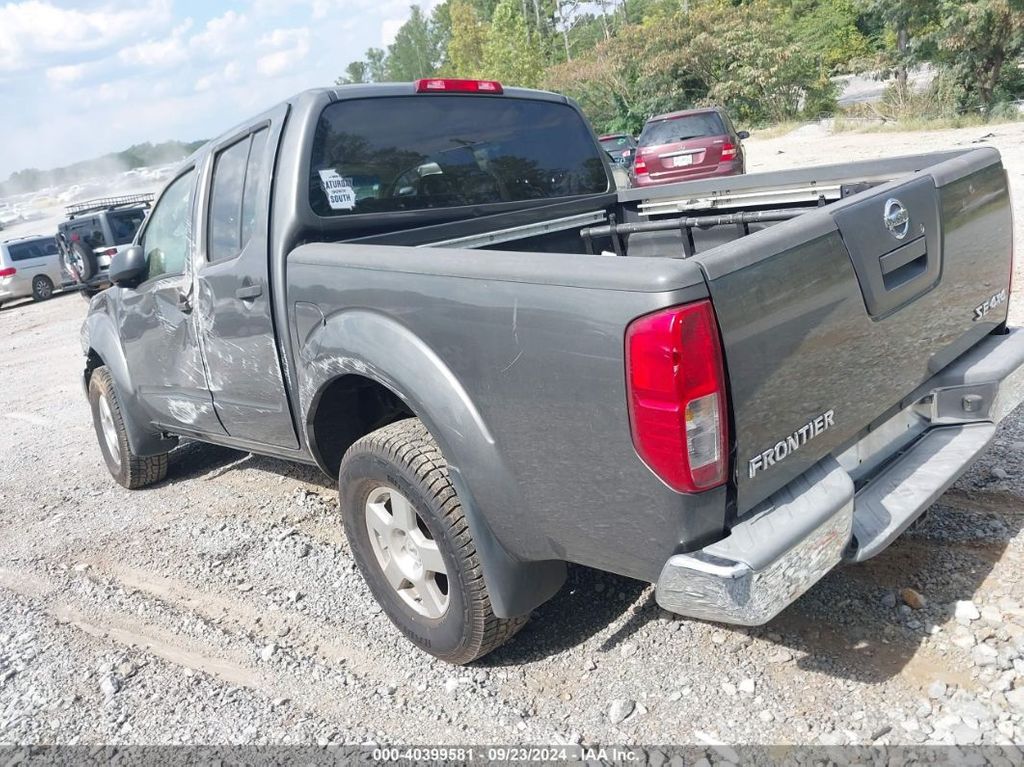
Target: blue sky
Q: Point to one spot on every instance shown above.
(82, 79)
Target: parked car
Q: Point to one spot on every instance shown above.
(688, 145)
(94, 232)
(10, 214)
(29, 266)
(726, 416)
(621, 147)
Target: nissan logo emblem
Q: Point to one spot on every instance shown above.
(897, 219)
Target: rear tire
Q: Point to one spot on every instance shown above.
(398, 473)
(130, 470)
(42, 288)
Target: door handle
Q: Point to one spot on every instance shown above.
(249, 292)
(184, 303)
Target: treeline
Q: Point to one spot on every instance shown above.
(766, 60)
(137, 156)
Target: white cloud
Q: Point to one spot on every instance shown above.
(160, 52)
(389, 29)
(33, 32)
(290, 47)
(147, 73)
(233, 72)
(222, 35)
(65, 75)
(229, 74)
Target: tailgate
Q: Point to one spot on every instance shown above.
(694, 155)
(829, 321)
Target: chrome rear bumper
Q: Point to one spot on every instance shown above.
(790, 541)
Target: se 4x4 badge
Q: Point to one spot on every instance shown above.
(981, 310)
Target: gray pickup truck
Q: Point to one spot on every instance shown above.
(434, 293)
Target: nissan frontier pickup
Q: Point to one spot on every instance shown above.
(434, 292)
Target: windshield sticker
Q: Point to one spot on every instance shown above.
(339, 191)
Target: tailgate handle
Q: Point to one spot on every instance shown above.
(904, 264)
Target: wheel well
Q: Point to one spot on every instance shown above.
(92, 361)
(349, 408)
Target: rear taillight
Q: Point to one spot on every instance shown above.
(109, 252)
(677, 397)
(640, 166)
(728, 151)
(450, 85)
(10, 271)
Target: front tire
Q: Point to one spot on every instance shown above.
(412, 543)
(42, 288)
(130, 470)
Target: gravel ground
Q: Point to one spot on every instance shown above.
(223, 605)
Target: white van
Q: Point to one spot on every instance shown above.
(29, 266)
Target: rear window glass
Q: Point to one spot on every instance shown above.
(124, 224)
(682, 129)
(89, 230)
(426, 151)
(23, 251)
(617, 142)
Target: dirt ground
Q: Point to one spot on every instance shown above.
(223, 606)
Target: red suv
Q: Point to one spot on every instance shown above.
(682, 146)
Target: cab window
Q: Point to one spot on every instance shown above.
(237, 172)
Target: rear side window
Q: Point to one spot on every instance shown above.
(23, 251)
(124, 224)
(237, 172)
(682, 129)
(429, 151)
(254, 176)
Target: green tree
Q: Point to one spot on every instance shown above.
(977, 41)
(376, 65)
(908, 23)
(744, 57)
(608, 81)
(468, 40)
(441, 35)
(828, 30)
(413, 54)
(355, 72)
(508, 54)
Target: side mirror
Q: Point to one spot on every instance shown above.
(743, 134)
(128, 267)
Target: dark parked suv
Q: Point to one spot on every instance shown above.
(620, 147)
(96, 231)
(682, 146)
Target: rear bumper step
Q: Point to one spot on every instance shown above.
(790, 541)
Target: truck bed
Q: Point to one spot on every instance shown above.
(698, 211)
(532, 328)
(821, 310)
